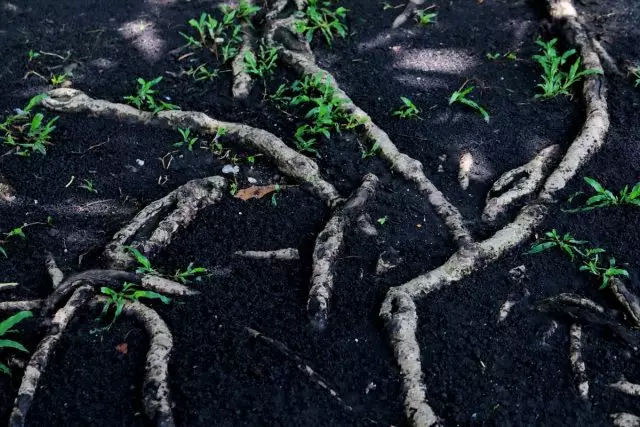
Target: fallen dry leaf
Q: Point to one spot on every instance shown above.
(256, 192)
(122, 348)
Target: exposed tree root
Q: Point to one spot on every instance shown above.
(40, 358)
(624, 419)
(288, 254)
(21, 305)
(561, 303)
(627, 300)
(287, 160)
(242, 80)
(154, 227)
(326, 252)
(166, 286)
(518, 183)
(577, 363)
(365, 226)
(549, 332)
(407, 13)
(464, 169)
(626, 387)
(55, 273)
(311, 374)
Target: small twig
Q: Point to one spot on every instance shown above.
(8, 285)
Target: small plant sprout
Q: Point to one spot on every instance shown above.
(144, 265)
(383, 220)
(26, 132)
(32, 54)
(201, 72)
(274, 200)
(368, 153)
(460, 97)
(604, 198)
(408, 110)
(494, 56)
(187, 139)
(128, 293)
(58, 79)
(144, 97)
(425, 18)
(88, 185)
(552, 239)
(636, 75)
(555, 81)
(6, 326)
(190, 274)
(264, 64)
(319, 17)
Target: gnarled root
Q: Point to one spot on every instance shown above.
(166, 286)
(626, 387)
(406, 14)
(242, 80)
(287, 254)
(21, 305)
(40, 358)
(627, 300)
(326, 252)
(518, 183)
(577, 363)
(287, 160)
(152, 233)
(624, 419)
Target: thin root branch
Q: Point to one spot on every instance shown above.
(288, 254)
(577, 362)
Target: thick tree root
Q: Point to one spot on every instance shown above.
(287, 160)
(326, 252)
(21, 305)
(40, 358)
(407, 13)
(55, 273)
(309, 372)
(242, 80)
(518, 183)
(154, 227)
(577, 362)
(627, 300)
(288, 254)
(626, 387)
(624, 419)
(166, 286)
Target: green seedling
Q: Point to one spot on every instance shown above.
(552, 239)
(144, 265)
(555, 81)
(494, 56)
(276, 191)
(6, 326)
(605, 198)
(216, 146)
(371, 151)
(425, 18)
(58, 79)
(201, 72)
(190, 274)
(233, 187)
(187, 139)
(407, 111)
(26, 132)
(460, 97)
(128, 293)
(383, 220)
(319, 17)
(145, 99)
(264, 64)
(636, 75)
(32, 54)
(89, 185)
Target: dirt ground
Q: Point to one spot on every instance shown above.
(477, 371)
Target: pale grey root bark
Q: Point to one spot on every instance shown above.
(288, 161)
(154, 227)
(626, 387)
(471, 258)
(166, 286)
(55, 273)
(407, 13)
(624, 419)
(7, 193)
(327, 249)
(21, 305)
(242, 80)
(577, 362)
(287, 254)
(464, 169)
(156, 396)
(365, 226)
(41, 356)
(8, 285)
(411, 169)
(518, 183)
(628, 300)
(567, 299)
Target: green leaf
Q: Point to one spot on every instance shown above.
(594, 184)
(5, 369)
(10, 322)
(13, 344)
(541, 247)
(141, 259)
(151, 295)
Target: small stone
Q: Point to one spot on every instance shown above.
(230, 169)
(140, 162)
(252, 180)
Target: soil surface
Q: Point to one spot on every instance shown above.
(477, 371)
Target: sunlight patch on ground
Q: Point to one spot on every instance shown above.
(420, 82)
(451, 61)
(144, 37)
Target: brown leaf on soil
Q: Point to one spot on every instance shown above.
(122, 348)
(255, 192)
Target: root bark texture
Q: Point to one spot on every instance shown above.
(624, 419)
(628, 300)
(166, 286)
(55, 273)
(242, 80)
(407, 13)
(154, 227)
(21, 305)
(327, 249)
(577, 362)
(287, 160)
(40, 358)
(626, 387)
(288, 254)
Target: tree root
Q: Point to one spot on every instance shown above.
(21, 305)
(326, 252)
(40, 358)
(624, 419)
(464, 170)
(287, 160)
(151, 233)
(8, 285)
(288, 254)
(55, 273)
(626, 387)
(406, 14)
(166, 286)
(627, 300)
(577, 363)
(242, 80)
(518, 183)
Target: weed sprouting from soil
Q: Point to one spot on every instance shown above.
(89, 185)
(263, 64)
(555, 80)
(145, 97)
(636, 75)
(460, 97)
(190, 274)
(144, 265)
(407, 110)
(318, 16)
(26, 132)
(425, 18)
(187, 139)
(6, 326)
(129, 292)
(605, 198)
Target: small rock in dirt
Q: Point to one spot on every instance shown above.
(370, 386)
(252, 180)
(230, 169)
(140, 162)
(7, 193)
(388, 260)
(518, 274)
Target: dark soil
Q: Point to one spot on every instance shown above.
(476, 372)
